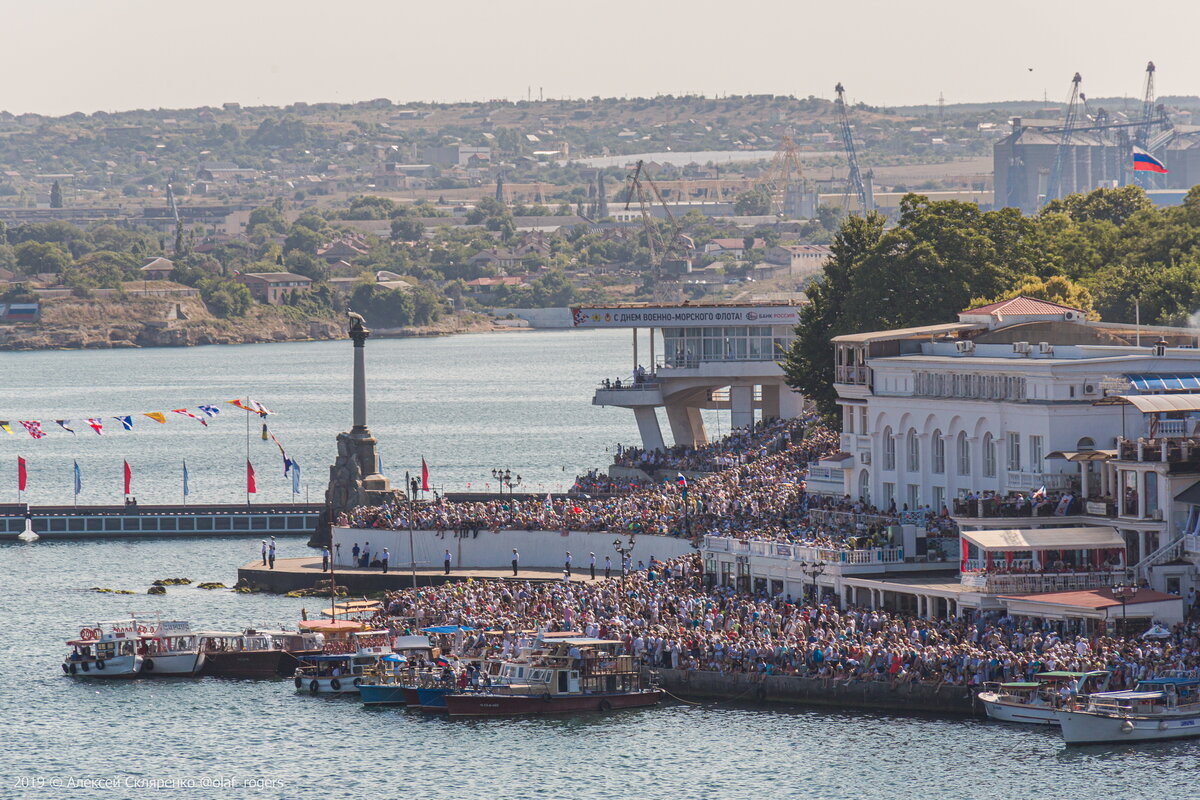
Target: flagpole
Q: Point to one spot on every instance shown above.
(247, 456)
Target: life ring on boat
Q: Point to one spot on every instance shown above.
(605, 705)
(1162, 725)
(336, 685)
(148, 665)
(84, 664)
(66, 669)
(100, 663)
(299, 683)
(1126, 727)
(546, 697)
(761, 693)
(313, 687)
(72, 669)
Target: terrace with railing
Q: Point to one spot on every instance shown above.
(1164, 448)
(1034, 583)
(807, 554)
(1010, 507)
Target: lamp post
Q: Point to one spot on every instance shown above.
(624, 551)
(814, 570)
(506, 478)
(1124, 592)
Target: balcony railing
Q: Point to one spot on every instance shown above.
(1042, 582)
(855, 375)
(1053, 481)
(1001, 507)
(1164, 448)
(804, 553)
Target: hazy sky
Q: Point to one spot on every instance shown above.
(60, 56)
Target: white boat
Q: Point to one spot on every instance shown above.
(108, 650)
(340, 668)
(1036, 702)
(1157, 709)
(169, 648)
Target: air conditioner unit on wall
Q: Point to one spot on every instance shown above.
(865, 457)
(1022, 348)
(965, 346)
(1090, 389)
(1045, 348)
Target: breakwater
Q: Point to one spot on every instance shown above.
(794, 690)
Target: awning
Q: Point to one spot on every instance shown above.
(1046, 539)
(1190, 495)
(1084, 455)
(1159, 403)
(1165, 382)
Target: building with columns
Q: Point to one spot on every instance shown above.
(698, 356)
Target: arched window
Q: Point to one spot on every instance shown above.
(964, 454)
(889, 449)
(989, 456)
(914, 451)
(939, 453)
(864, 486)
(1086, 444)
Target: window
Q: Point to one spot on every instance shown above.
(989, 456)
(862, 419)
(939, 498)
(864, 486)
(1014, 452)
(889, 449)
(964, 454)
(848, 416)
(1035, 454)
(889, 494)
(913, 448)
(939, 453)
(914, 496)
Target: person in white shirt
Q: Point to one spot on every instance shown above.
(516, 560)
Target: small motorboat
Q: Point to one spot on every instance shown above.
(384, 684)
(168, 648)
(249, 654)
(107, 650)
(340, 668)
(1156, 709)
(1037, 702)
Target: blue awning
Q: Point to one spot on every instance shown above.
(1165, 382)
(446, 629)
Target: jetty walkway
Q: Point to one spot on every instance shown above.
(291, 574)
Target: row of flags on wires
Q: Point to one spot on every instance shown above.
(38, 429)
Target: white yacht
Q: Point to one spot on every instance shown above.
(1156, 709)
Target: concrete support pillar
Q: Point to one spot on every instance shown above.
(1141, 493)
(741, 404)
(1142, 546)
(687, 426)
(653, 367)
(635, 361)
(770, 401)
(1083, 479)
(647, 422)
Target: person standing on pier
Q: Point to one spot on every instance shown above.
(592, 556)
(607, 567)
(383, 559)
(324, 559)
(264, 552)
(516, 561)
(446, 561)
(354, 551)
(567, 568)
(366, 556)
(271, 553)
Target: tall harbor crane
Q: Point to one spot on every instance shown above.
(1063, 153)
(854, 182)
(784, 181)
(669, 255)
(1143, 132)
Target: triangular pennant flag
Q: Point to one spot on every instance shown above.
(96, 425)
(210, 411)
(34, 428)
(251, 486)
(6, 426)
(239, 404)
(187, 413)
(126, 421)
(157, 416)
(65, 424)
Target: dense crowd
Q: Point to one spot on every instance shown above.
(741, 446)
(667, 617)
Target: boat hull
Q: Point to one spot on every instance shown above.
(173, 665)
(1016, 712)
(118, 667)
(343, 684)
(499, 705)
(432, 699)
(381, 694)
(242, 664)
(1083, 727)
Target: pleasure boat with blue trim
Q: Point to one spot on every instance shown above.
(1037, 701)
(383, 684)
(108, 650)
(1156, 709)
(340, 669)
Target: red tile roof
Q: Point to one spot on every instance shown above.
(1092, 598)
(1022, 306)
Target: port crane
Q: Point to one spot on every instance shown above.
(666, 252)
(1054, 188)
(854, 182)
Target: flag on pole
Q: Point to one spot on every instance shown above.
(78, 479)
(65, 424)
(34, 428)
(1144, 162)
(22, 475)
(128, 477)
(424, 475)
(126, 421)
(157, 416)
(295, 478)
(95, 424)
(251, 487)
(185, 479)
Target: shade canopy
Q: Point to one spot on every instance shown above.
(1084, 455)
(1160, 403)
(1165, 382)
(1090, 538)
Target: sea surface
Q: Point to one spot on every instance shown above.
(466, 403)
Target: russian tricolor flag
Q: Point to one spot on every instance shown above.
(1144, 162)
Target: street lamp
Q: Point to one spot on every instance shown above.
(1124, 592)
(624, 552)
(814, 570)
(506, 478)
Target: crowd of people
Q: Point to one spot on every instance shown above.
(741, 446)
(669, 617)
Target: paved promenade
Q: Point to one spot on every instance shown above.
(304, 572)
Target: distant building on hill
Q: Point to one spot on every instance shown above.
(274, 288)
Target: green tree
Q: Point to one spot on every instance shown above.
(56, 196)
(38, 257)
(754, 203)
(267, 217)
(1056, 289)
(407, 229)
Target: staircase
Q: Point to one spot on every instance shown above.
(1170, 551)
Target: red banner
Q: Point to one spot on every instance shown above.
(128, 477)
(22, 476)
(424, 475)
(251, 488)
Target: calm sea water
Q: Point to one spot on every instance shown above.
(467, 400)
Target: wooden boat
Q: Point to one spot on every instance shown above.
(560, 676)
(249, 654)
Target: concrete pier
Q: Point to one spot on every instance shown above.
(291, 574)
